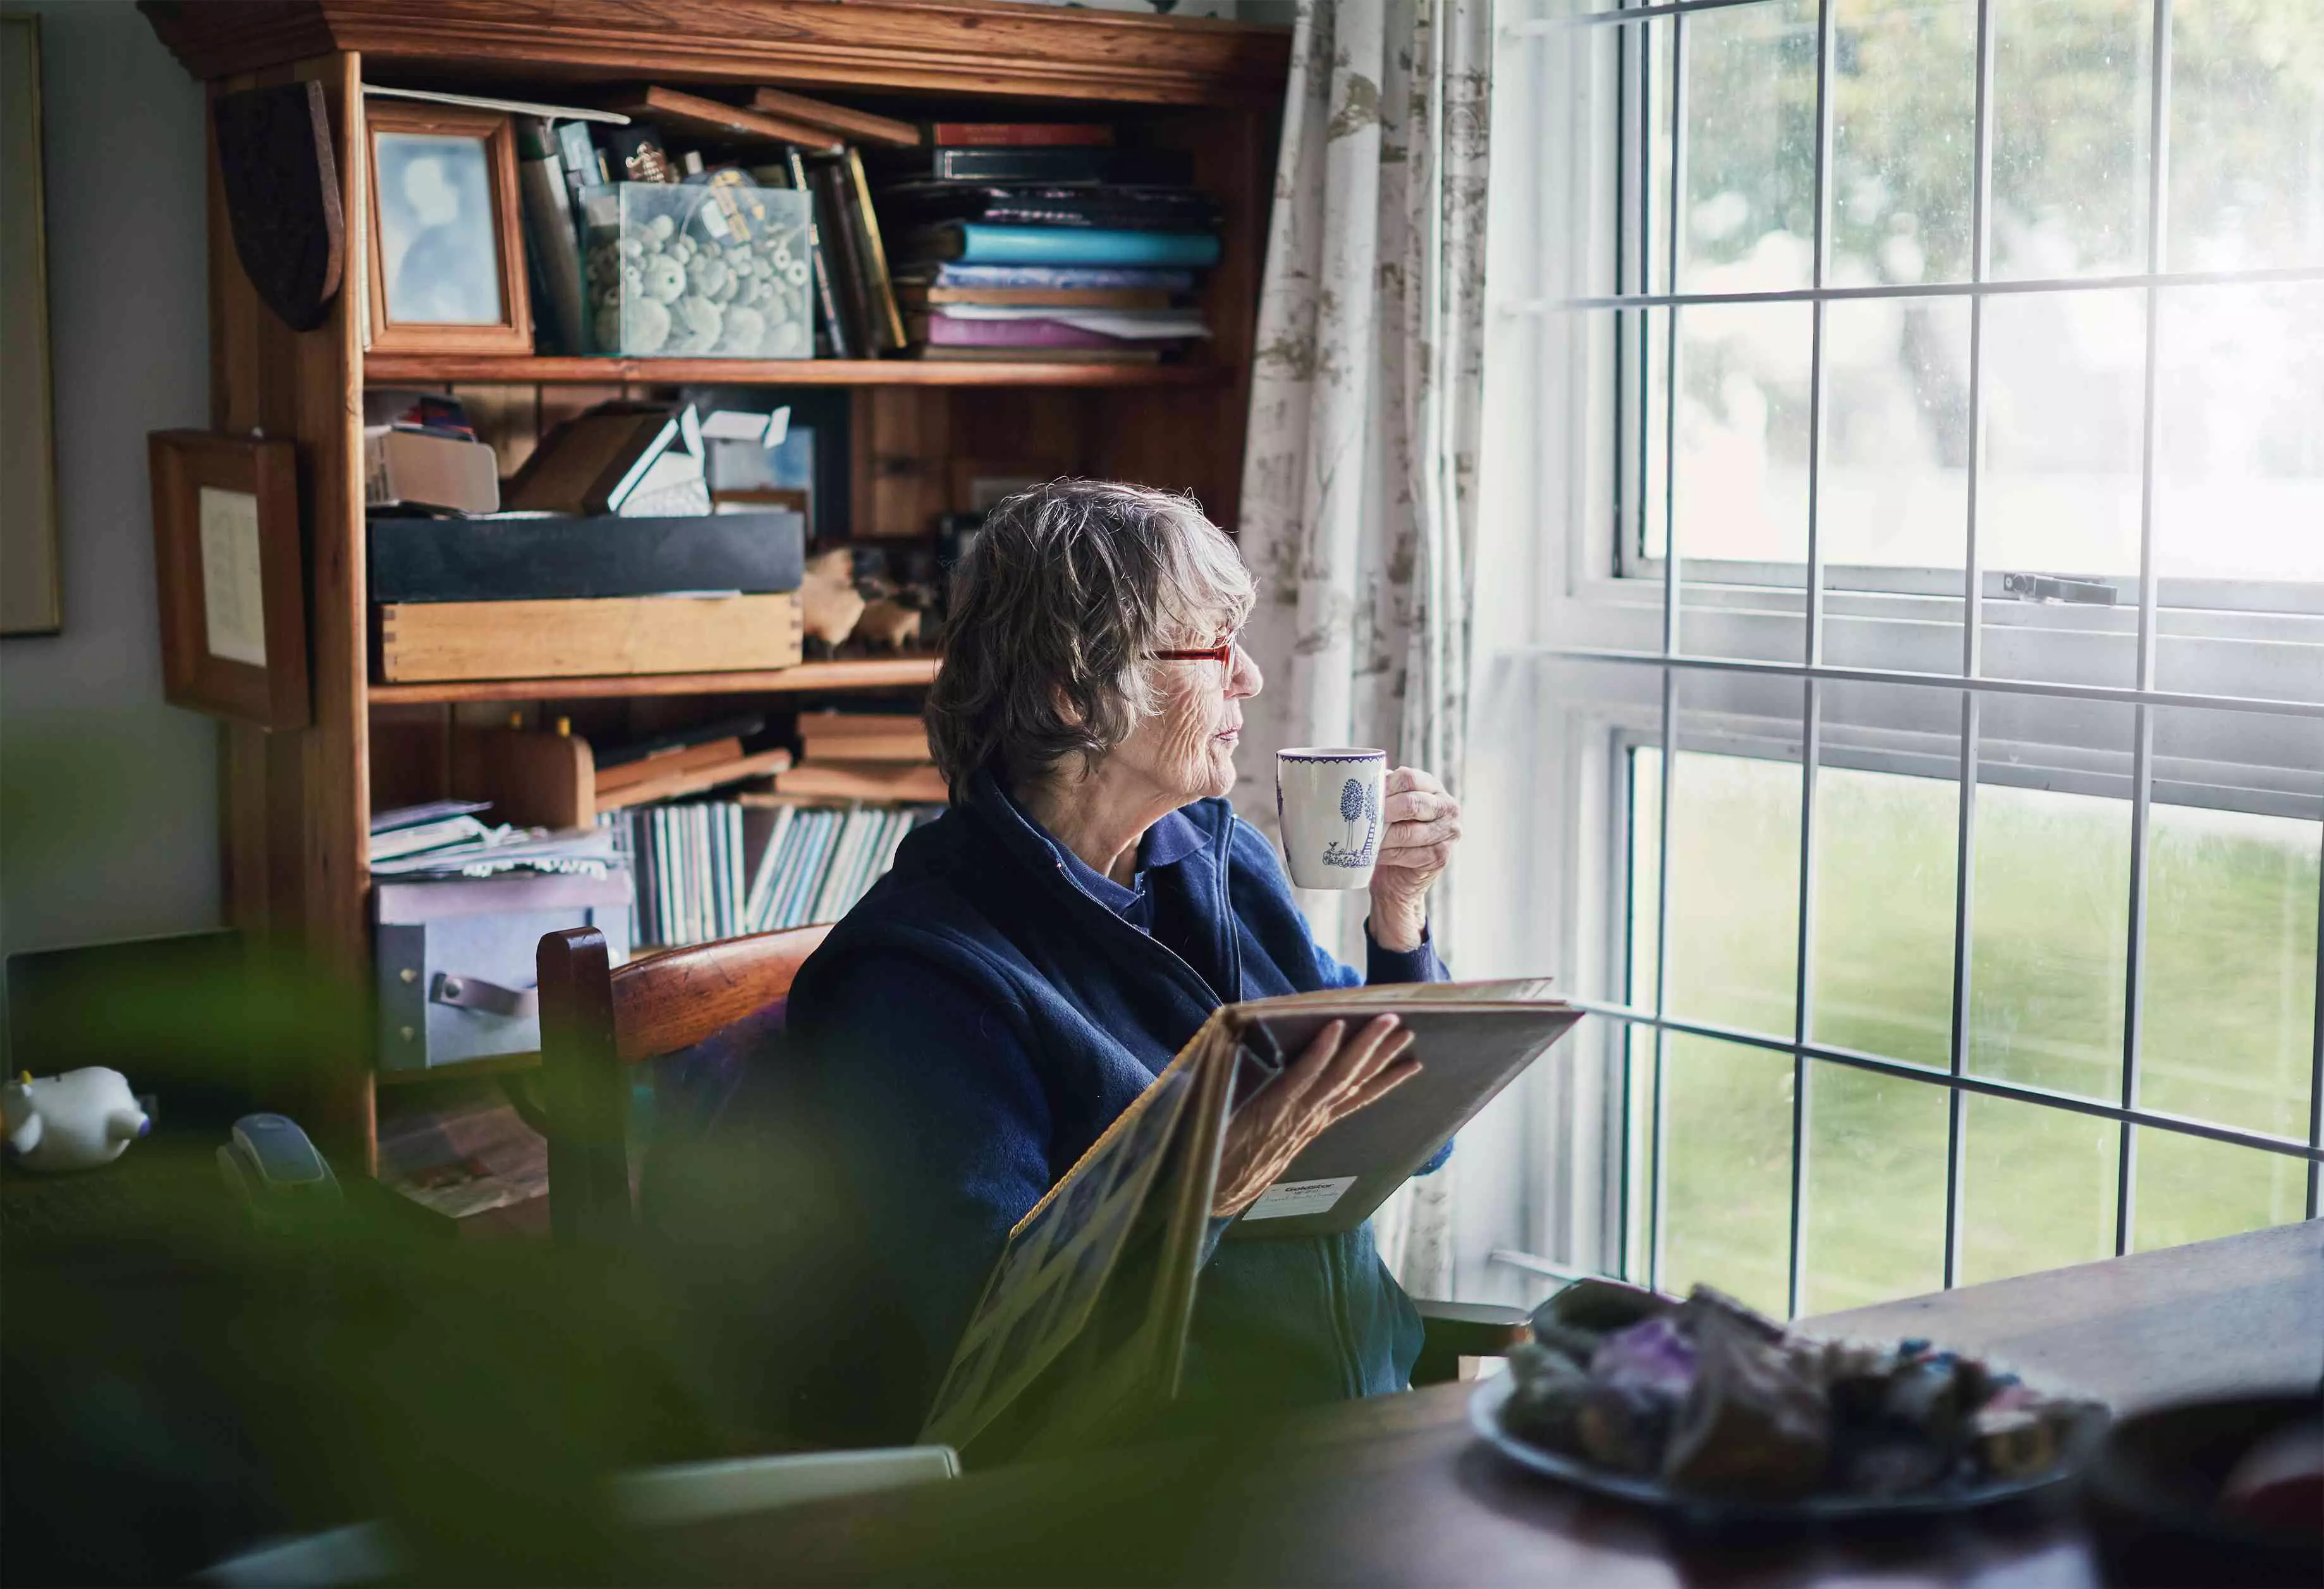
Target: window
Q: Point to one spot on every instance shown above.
(1901, 579)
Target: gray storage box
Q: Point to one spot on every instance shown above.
(456, 958)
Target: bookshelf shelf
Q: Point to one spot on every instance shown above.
(439, 369)
(864, 674)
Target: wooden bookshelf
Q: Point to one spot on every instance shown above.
(296, 805)
(874, 672)
(417, 369)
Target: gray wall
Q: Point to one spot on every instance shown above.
(108, 797)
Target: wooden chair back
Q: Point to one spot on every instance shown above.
(597, 1021)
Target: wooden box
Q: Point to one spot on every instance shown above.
(421, 640)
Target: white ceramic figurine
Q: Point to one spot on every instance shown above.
(75, 1121)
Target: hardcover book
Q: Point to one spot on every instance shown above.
(1120, 1237)
(975, 242)
(1150, 167)
(1020, 135)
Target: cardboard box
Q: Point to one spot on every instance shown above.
(428, 470)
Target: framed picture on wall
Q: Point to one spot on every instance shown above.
(445, 249)
(231, 585)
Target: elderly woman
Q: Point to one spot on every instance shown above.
(1041, 953)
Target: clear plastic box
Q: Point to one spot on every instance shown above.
(706, 271)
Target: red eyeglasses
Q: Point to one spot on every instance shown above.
(1222, 654)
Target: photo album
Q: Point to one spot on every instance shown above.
(1081, 1328)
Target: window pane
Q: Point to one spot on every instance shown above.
(1644, 904)
(2037, 1189)
(1734, 891)
(1903, 140)
(1874, 1226)
(1726, 1156)
(1895, 460)
(1641, 1170)
(2190, 1189)
(2069, 125)
(1750, 148)
(2049, 909)
(2240, 432)
(1743, 423)
(1885, 880)
(1644, 345)
(2065, 410)
(2246, 134)
(2228, 1004)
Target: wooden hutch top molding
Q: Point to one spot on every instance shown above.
(939, 46)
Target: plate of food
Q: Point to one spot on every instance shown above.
(1707, 1407)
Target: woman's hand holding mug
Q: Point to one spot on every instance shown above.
(1424, 823)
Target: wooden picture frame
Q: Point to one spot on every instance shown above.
(445, 190)
(230, 576)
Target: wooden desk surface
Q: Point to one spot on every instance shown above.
(1395, 1490)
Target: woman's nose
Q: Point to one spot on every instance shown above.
(1243, 679)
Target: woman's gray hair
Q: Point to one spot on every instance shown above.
(1054, 610)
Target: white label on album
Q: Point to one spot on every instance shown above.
(1286, 1198)
(234, 597)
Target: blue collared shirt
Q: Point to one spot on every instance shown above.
(1171, 841)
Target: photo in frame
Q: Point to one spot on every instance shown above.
(229, 576)
(445, 249)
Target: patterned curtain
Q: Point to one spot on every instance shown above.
(1358, 511)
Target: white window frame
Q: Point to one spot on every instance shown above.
(1582, 646)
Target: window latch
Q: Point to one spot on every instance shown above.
(2079, 590)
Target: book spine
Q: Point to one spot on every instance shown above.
(665, 877)
(827, 295)
(1020, 135)
(879, 290)
(808, 826)
(1067, 277)
(1040, 298)
(713, 845)
(1141, 166)
(946, 332)
(705, 876)
(736, 873)
(832, 202)
(549, 233)
(976, 243)
(683, 930)
(820, 867)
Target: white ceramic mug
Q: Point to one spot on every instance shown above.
(1327, 803)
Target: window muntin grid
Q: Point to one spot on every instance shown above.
(1805, 620)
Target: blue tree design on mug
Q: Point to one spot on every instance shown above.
(1351, 809)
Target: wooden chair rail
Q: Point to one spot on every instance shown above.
(597, 1021)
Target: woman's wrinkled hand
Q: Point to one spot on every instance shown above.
(1335, 1076)
(1423, 822)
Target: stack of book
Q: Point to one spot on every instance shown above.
(717, 868)
(1042, 240)
(689, 761)
(863, 756)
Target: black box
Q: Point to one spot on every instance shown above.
(553, 557)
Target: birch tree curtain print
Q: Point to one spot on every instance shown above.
(1359, 507)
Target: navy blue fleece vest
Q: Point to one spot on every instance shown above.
(981, 1016)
